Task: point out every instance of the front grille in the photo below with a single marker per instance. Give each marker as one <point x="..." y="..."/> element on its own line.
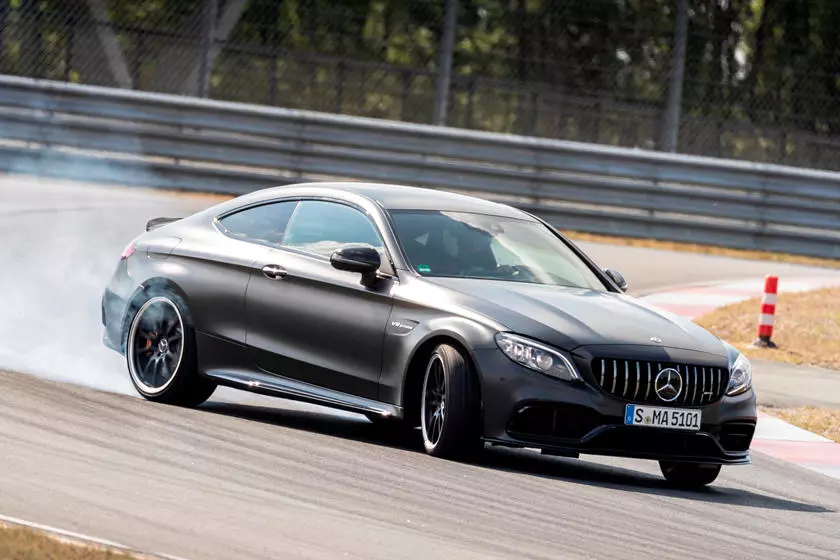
<point x="634" y="380"/>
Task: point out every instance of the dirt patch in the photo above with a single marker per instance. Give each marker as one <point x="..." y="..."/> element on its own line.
<point x="27" y="544"/>
<point x="807" y="329"/>
<point x="822" y="421"/>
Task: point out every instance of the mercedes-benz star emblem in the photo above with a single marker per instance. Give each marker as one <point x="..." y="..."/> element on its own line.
<point x="668" y="384"/>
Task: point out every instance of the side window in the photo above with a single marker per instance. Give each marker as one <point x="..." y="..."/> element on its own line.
<point x="322" y="227"/>
<point x="264" y="224"/>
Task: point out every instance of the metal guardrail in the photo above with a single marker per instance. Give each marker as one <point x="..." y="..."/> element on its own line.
<point x="126" y="137"/>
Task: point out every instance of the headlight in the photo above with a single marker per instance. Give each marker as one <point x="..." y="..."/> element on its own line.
<point x="740" y="376"/>
<point x="537" y="356"/>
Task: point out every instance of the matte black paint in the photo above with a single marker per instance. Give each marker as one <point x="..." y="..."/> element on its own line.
<point x="326" y="335"/>
<point x="318" y="325"/>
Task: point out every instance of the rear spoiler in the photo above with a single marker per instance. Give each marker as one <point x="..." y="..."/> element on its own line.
<point x="155" y="223"/>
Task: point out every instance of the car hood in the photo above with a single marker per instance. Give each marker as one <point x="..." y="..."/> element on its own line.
<point x="573" y="317"/>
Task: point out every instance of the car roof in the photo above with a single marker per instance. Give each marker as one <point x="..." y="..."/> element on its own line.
<point x="395" y="197"/>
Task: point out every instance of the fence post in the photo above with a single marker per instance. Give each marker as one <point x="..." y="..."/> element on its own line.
<point x="669" y="134"/>
<point x="69" y="38"/>
<point x="5" y="9"/>
<point x="444" y="77"/>
<point x="271" y="37"/>
<point x="31" y="43"/>
<point x="211" y="16"/>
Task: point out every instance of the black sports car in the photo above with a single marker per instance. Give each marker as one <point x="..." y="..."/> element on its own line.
<point x="473" y="320"/>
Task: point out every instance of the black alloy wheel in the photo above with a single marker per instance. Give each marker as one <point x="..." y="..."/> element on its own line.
<point x="450" y="405"/>
<point x="434" y="401"/>
<point x="157" y="345"/>
<point x="160" y="353"/>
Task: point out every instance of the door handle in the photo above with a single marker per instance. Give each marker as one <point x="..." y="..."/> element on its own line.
<point x="274" y="271"/>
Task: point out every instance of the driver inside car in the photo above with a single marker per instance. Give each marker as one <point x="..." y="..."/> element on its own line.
<point x="471" y="251"/>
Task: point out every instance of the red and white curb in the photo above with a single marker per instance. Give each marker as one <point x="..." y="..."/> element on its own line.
<point x="777" y="438"/>
<point x="694" y="301"/>
<point x="773" y="436"/>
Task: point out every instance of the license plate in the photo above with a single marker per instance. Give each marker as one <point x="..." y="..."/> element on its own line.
<point x="657" y="417"/>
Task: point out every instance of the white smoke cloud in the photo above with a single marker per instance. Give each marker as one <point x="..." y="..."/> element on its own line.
<point x="59" y="244"/>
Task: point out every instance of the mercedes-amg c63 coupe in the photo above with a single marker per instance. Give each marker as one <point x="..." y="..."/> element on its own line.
<point x="469" y="320"/>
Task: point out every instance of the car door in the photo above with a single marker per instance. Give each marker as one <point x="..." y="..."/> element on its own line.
<point x="311" y="322"/>
<point x="220" y="265"/>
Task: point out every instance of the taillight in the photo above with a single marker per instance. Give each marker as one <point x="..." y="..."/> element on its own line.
<point x="128" y="251"/>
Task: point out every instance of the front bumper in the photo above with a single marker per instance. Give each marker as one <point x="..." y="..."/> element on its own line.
<point x="524" y="408"/>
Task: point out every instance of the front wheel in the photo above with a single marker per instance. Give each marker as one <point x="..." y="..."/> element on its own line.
<point x="160" y="353"/>
<point x="689" y="475"/>
<point x="449" y="409"/>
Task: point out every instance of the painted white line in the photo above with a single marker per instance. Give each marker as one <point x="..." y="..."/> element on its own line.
<point x="769" y="427"/>
<point x="690" y="302"/>
<point x="81" y="537"/>
<point x="62" y="532"/>
<point x="785" y="284"/>
<point x="833" y="472"/>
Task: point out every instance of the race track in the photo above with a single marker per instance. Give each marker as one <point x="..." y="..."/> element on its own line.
<point x="251" y="477"/>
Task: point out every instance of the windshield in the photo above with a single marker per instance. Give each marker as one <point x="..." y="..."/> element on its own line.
<point x="466" y="245"/>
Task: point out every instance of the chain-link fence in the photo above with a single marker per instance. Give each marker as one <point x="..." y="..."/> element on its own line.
<point x="756" y="80"/>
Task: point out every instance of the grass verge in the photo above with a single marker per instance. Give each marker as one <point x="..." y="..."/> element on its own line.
<point x="21" y="543"/>
<point x="807" y="329"/>
<point x="704" y="249"/>
<point x="822" y="421"/>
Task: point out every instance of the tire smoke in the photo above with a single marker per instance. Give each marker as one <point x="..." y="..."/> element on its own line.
<point x="59" y="244"/>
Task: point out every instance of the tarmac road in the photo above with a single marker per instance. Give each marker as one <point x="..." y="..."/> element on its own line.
<point x="254" y="481"/>
<point x="251" y="477"/>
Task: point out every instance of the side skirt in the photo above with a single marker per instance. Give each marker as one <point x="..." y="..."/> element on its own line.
<point x="276" y="386"/>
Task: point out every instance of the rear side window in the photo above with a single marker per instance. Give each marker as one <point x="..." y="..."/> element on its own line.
<point x="322" y="227"/>
<point x="264" y="224"/>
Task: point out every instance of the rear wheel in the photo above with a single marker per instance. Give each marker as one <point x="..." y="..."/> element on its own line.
<point x="449" y="407"/>
<point x="160" y="353"/>
<point x="689" y="475"/>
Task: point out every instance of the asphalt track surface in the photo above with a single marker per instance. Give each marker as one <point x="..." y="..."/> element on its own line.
<point x="252" y="477"/>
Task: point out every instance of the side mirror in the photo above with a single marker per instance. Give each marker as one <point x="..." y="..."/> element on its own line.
<point x="616" y="277"/>
<point x="364" y="260"/>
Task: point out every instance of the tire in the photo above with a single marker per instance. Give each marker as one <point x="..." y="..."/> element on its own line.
<point x="689" y="475"/>
<point x="160" y="352"/>
<point x="449" y="406"/>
